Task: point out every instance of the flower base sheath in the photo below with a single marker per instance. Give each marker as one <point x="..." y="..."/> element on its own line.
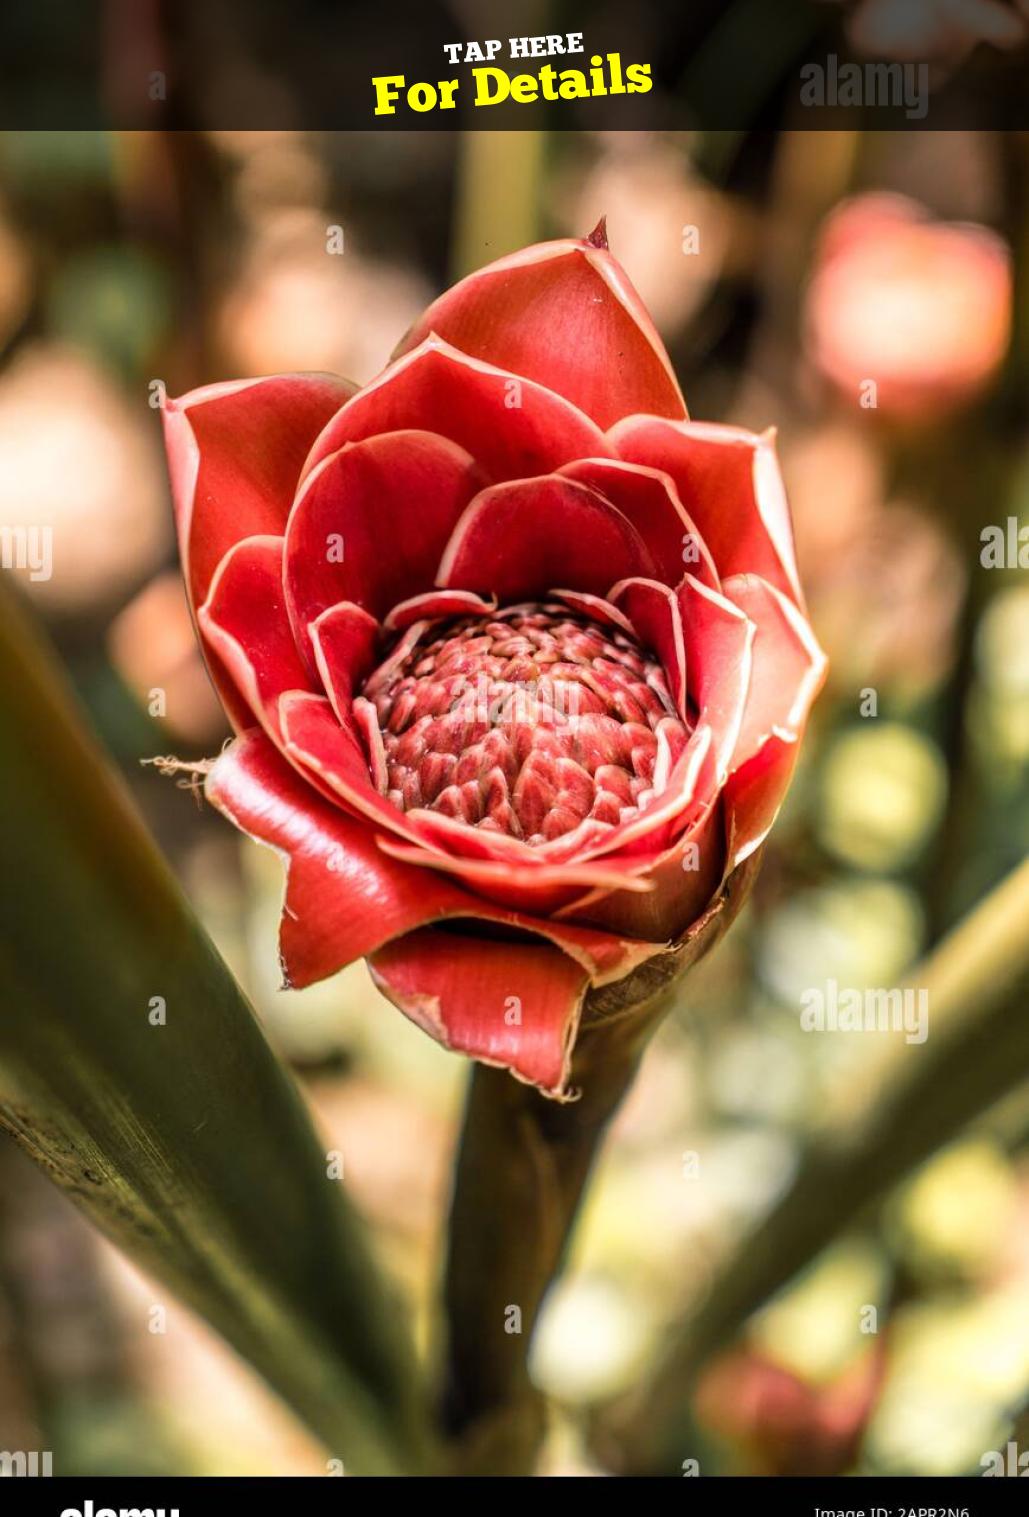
<point x="516" y="652"/>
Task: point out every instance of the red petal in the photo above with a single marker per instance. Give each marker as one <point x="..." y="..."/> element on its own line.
<point x="436" y="603"/>
<point x="789" y="668"/>
<point x="386" y="507"/>
<point x="536" y="869"/>
<point x="685" y="877"/>
<point x="729" y="481"/>
<point x="327" y="751"/>
<point x="565" y="314"/>
<point x="719" y="638"/>
<point x="366" y="721"/>
<point x="597" y="607"/>
<point x="755" y="792"/>
<point x="511" y="426"/>
<point x="518" y="539"/>
<point x="653" y="610"/>
<point x="344" y="640"/>
<point x="535" y="887"/>
<point x="234" y="455"/>
<point x="467" y="992"/>
<point x="650" y="501"/>
<point x="244" y="621"/>
<point x="344" y="897"/>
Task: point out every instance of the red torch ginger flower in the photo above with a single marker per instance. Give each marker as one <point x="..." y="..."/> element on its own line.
<point x="515" y="651"/>
<point x="918" y="307"/>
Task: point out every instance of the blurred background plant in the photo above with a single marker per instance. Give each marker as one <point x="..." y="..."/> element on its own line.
<point x="786" y="271"/>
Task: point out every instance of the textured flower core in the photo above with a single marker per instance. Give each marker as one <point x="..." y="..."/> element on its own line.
<point x="529" y="721"/>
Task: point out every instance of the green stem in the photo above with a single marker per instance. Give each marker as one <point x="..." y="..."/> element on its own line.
<point x="498" y="196"/>
<point x="522" y="1169"/>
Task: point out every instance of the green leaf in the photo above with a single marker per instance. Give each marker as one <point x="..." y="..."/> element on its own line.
<point x="187" y="1143"/>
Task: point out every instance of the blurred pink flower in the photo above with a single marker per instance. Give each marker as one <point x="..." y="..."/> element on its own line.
<point x="293" y="306"/>
<point x="80" y="475"/>
<point x="935" y="30"/>
<point x="922" y="308"/>
<point x="786" y="1425"/>
<point x="882" y="564"/>
<point x="675" y="232"/>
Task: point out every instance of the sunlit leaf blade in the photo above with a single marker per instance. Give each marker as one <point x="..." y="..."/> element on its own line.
<point x="923" y="1094"/>
<point x="187" y="1143"/>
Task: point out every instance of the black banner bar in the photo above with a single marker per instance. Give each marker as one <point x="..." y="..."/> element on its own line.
<point x="492" y="65"/>
<point x="886" y="1496"/>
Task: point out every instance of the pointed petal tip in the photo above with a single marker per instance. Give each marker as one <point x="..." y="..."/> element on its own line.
<point x="598" y="237"/>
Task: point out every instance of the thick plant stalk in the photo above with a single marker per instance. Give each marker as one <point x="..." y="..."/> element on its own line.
<point x="977" y="1051"/>
<point x="498" y="206"/>
<point x="134" y="1073"/>
<point x="522" y="1169"/>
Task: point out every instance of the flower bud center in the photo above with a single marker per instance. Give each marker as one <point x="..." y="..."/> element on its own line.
<point x="529" y="721"/>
